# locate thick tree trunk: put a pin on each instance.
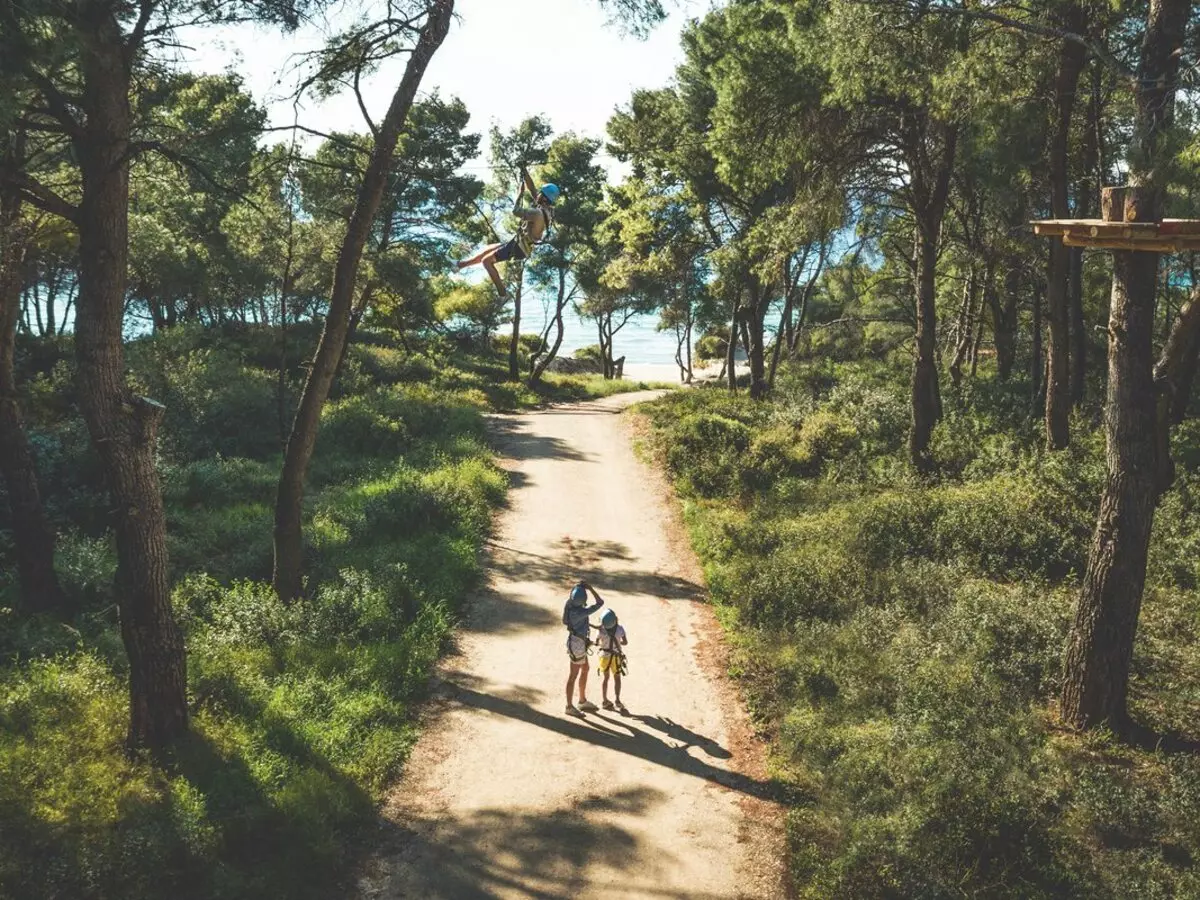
(1100, 645)
(32, 534)
(289, 539)
(1058, 366)
(123, 427)
(926, 398)
(930, 190)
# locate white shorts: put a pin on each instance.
(577, 650)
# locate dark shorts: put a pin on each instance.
(511, 250)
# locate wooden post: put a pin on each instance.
(1128, 204)
(1112, 204)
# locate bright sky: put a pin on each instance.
(506, 59)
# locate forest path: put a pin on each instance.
(504, 796)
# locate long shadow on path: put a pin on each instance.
(638, 743)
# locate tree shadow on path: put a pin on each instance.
(495, 852)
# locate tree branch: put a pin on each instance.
(37, 194)
(361, 104)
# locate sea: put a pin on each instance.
(639, 340)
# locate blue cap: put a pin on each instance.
(551, 192)
(609, 619)
(579, 594)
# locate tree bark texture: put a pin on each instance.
(1100, 644)
(123, 427)
(32, 535)
(930, 188)
(289, 538)
(1058, 367)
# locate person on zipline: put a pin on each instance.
(535, 222)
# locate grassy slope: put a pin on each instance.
(901, 641)
(302, 714)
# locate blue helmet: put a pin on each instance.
(551, 192)
(579, 595)
(609, 619)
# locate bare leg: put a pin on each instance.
(583, 673)
(478, 257)
(604, 687)
(617, 686)
(571, 682)
(489, 263)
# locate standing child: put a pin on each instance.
(575, 617)
(612, 658)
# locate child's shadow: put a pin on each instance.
(686, 736)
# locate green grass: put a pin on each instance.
(302, 715)
(900, 640)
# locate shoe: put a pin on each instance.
(608, 704)
(621, 708)
(572, 711)
(588, 706)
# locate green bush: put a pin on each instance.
(705, 452)
(901, 638)
(301, 712)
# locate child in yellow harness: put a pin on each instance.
(612, 658)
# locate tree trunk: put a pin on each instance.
(32, 534)
(356, 316)
(123, 427)
(731, 349)
(1172, 382)
(930, 190)
(540, 365)
(514, 343)
(966, 326)
(289, 539)
(1088, 192)
(1036, 361)
(784, 327)
(1100, 645)
(1058, 366)
(755, 324)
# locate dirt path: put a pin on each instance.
(505, 796)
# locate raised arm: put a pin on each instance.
(529, 186)
(599, 599)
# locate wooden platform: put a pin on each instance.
(1167, 236)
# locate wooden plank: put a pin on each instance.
(1159, 245)
(1179, 227)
